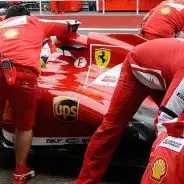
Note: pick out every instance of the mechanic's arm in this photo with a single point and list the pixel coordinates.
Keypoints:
(60, 29)
(169, 115)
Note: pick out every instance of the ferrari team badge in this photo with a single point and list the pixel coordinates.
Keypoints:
(165, 10)
(159, 169)
(65, 108)
(11, 33)
(102, 57)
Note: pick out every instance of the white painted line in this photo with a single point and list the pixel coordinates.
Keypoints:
(108, 29)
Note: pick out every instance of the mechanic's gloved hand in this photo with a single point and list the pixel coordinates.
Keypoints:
(73, 25)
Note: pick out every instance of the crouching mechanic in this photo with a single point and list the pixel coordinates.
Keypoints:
(164, 21)
(21, 38)
(155, 69)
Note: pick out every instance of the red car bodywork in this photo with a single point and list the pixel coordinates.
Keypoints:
(76, 88)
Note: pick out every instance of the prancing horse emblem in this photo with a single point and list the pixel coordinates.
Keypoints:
(102, 57)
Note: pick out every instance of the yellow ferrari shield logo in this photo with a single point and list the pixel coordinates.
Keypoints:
(165, 10)
(102, 57)
(159, 169)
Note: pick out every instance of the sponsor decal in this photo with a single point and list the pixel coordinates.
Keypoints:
(48, 141)
(109, 78)
(65, 108)
(72, 140)
(165, 10)
(180, 96)
(53, 140)
(11, 33)
(172, 143)
(80, 62)
(102, 57)
(159, 169)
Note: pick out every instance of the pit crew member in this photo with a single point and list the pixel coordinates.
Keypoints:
(21, 38)
(155, 69)
(164, 21)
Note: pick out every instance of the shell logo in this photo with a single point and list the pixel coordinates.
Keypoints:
(11, 33)
(159, 169)
(165, 10)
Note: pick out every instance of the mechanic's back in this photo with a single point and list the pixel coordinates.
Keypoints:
(21, 38)
(165, 21)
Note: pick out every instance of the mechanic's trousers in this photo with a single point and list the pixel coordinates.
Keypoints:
(166, 164)
(23, 97)
(128, 96)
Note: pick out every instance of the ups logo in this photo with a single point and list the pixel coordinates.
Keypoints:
(65, 108)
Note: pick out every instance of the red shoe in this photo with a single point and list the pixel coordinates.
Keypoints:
(22, 174)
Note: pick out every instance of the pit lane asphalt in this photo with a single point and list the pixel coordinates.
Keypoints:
(57, 169)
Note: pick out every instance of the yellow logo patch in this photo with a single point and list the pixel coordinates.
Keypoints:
(166, 10)
(65, 108)
(102, 57)
(11, 33)
(159, 169)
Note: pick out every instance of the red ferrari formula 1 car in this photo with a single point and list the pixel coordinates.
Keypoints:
(76, 87)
